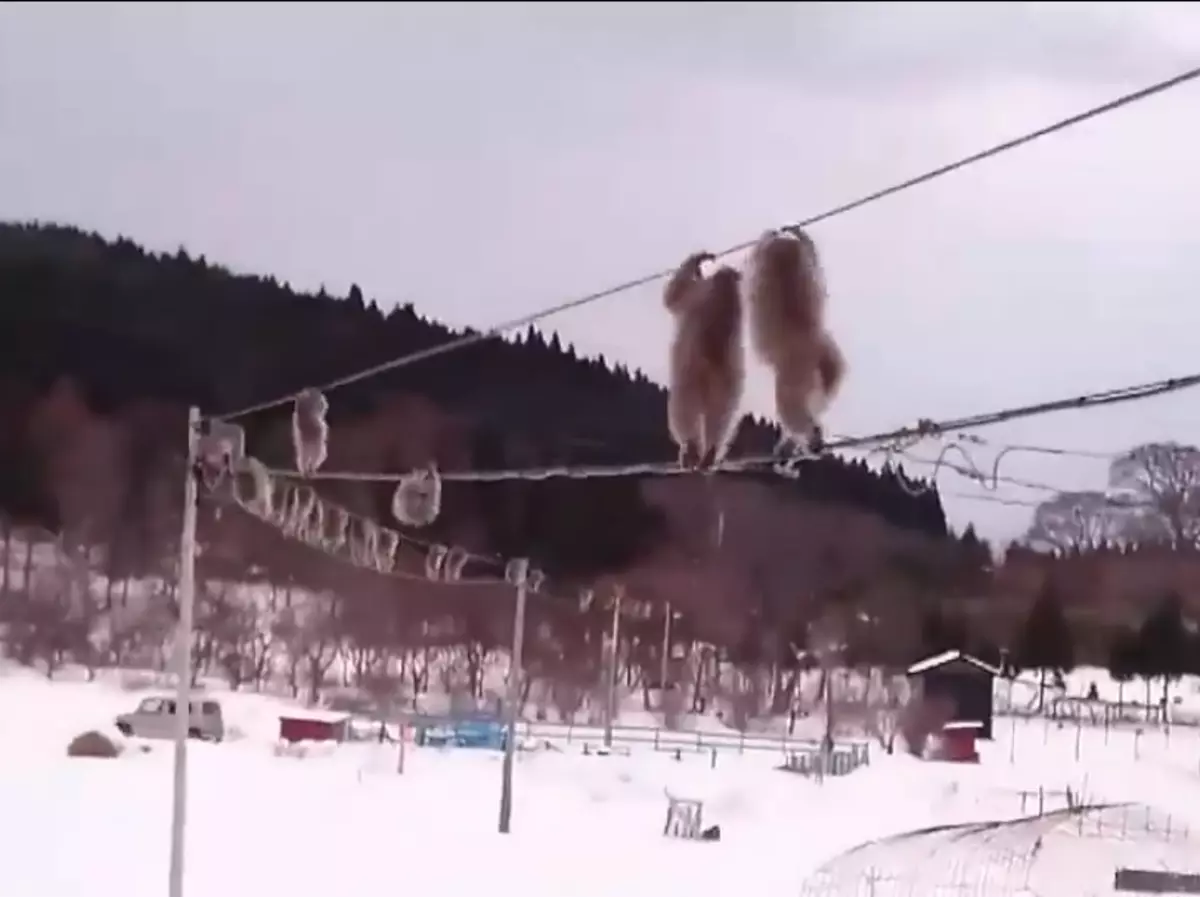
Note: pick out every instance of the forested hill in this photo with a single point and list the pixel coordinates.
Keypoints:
(126, 327)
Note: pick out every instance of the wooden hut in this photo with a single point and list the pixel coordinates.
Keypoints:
(966, 681)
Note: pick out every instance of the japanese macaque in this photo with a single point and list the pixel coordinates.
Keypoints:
(258, 496)
(455, 563)
(708, 363)
(310, 432)
(220, 451)
(435, 561)
(389, 545)
(785, 298)
(417, 500)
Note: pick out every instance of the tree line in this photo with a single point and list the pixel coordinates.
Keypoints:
(103, 346)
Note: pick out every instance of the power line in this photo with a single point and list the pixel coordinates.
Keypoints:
(472, 337)
(921, 430)
(971, 471)
(994, 499)
(1043, 449)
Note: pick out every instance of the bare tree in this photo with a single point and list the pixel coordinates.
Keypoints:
(746, 696)
(41, 625)
(827, 643)
(884, 707)
(1161, 483)
(308, 627)
(1073, 520)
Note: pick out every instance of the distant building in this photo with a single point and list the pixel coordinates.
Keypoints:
(313, 725)
(965, 680)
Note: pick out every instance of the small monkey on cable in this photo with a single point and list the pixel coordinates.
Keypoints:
(785, 298)
(310, 431)
(417, 500)
(707, 362)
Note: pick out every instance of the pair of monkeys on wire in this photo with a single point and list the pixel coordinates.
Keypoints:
(783, 294)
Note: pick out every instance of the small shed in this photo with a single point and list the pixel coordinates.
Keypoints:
(965, 680)
(958, 742)
(313, 725)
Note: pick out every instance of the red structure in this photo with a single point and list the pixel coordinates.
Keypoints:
(957, 743)
(313, 727)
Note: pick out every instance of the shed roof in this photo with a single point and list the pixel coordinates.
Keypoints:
(940, 660)
(316, 716)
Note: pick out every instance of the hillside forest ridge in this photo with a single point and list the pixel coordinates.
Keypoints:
(103, 346)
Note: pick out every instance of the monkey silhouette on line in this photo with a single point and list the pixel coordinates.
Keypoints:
(310, 432)
(785, 298)
(707, 364)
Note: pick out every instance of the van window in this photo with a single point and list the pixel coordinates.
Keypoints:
(151, 705)
(210, 708)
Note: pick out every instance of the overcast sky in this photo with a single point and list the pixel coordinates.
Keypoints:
(485, 161)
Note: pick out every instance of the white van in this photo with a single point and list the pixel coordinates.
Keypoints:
(155, 718)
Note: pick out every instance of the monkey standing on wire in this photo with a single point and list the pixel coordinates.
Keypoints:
(310, 431)
(786, 300)
(708, 369)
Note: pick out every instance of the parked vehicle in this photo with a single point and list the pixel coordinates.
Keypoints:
(155, 718)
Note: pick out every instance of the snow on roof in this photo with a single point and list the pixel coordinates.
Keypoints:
(319, 716)
(940, 660)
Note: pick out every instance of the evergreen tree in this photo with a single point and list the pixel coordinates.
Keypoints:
(1124, 656)
(1164, 644)
(1045, 642)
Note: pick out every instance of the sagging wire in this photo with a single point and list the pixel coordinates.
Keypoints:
(442, 564)
(969, 469)
(296, 510)
(989, 482)
(1040, 449)
(473, 337)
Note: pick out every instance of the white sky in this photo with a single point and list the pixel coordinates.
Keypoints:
(562, 148)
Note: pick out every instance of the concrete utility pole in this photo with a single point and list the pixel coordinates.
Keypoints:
(516, 674)
(183, 658)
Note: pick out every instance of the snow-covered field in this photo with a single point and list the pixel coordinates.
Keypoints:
(345, 822)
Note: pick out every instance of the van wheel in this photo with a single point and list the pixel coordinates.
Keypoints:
(195, 733)
(124, 729)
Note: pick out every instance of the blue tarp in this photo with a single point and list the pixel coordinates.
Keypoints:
(470, 733)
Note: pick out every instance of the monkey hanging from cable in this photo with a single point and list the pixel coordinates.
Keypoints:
(785, 299)
(707, 362)
(310, 431)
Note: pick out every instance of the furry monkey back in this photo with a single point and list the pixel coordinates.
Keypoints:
(785, 292)
(707, 360)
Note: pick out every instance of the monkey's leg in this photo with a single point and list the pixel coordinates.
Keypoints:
(684, 409)
(798, 389)
(720, 419)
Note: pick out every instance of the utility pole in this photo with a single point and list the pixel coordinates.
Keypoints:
(183, 657)
(516, 674)
(666, 647)
(614, 640)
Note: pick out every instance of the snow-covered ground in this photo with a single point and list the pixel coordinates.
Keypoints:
(345, 822)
